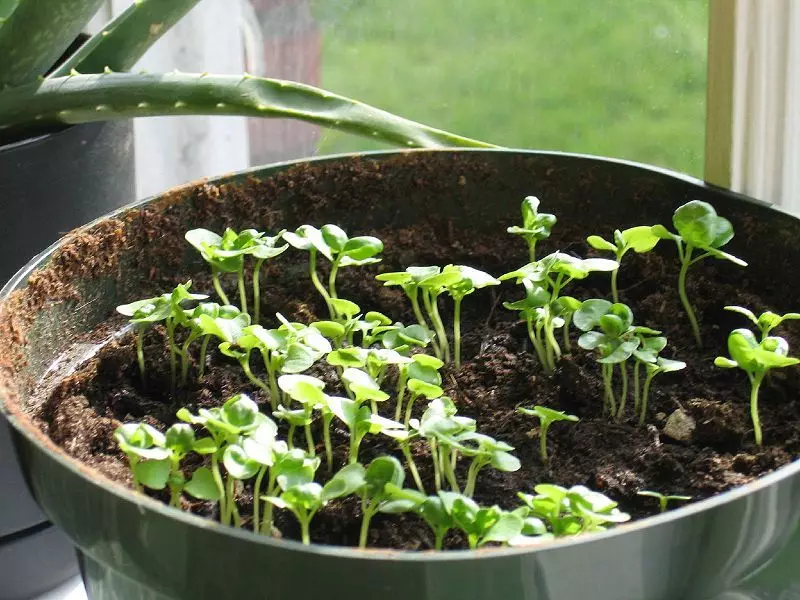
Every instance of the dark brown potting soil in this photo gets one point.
(500, 373)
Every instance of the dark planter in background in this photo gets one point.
(49, 185)
(135, 547)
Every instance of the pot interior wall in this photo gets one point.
(462, 201)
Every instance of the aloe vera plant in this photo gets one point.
(91, 85)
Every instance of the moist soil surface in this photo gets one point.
(499, 373)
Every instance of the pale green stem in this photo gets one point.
(645, 396)
(242, 288)
(203, 350)
(327, 418)
(623, 367)
(447, 468)
(413, 295)
(608, 381)
(332, 277)
(543, 428)
(245, 362)
(305, 535)
(438, 538)
(229, 501)
(257, 498)
(457, 331)
(355, 442)
(537, 345)
(409, 408)
(217, 287)
(373, 406)
(139, 334)
(309, 440)
(367, 513)
(437, 474)
(431, 307)
(312, 272)
(290, 436)
(274, 392)
(685, 262)
(412, 466)
(755, 384)
(614, 292)
(266, 521)
(472, 476)
(550, 338)
(220, 487)
(401, 392)
(257, 291)
(173, 350)
(636, 390)
(565, 333)
(185, 358)
(550, 364)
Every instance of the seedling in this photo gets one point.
(208, 320)
(443, 428)
(662, 499)
(661, 365)
(225, 254)
(544, 281)
(546, 416)
(422, 379)
(370, 485)
(756, 359)
(402, 338)
(484, 450)
(767, 321)
(305, 498)
(699, 228)
(308, 391)
(432, 509)
(615, 342)
(362, 388)
(143, 444)
(423, 368)
(238, 416)
(572, 511)
(411, 281)
(167, 308)
(360, 421)
(403, 438)
(334, 244)
(469, 280)
(291, 348)
(262, 447)
(640, 239)
(262, 248)
(481, 525)
(290, 466)
(536, 226)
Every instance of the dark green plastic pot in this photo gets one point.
(48, 185)
(135, 547)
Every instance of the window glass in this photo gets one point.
(622, 78)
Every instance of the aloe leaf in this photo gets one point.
(87, 98)
(34, 33)
(124, 40)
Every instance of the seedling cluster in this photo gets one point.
(378, 362)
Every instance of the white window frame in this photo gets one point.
(753, 123)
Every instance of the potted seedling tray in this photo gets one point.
(240, 389)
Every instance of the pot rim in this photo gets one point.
(125, 494)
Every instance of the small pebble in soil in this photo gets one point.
(680, 426)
